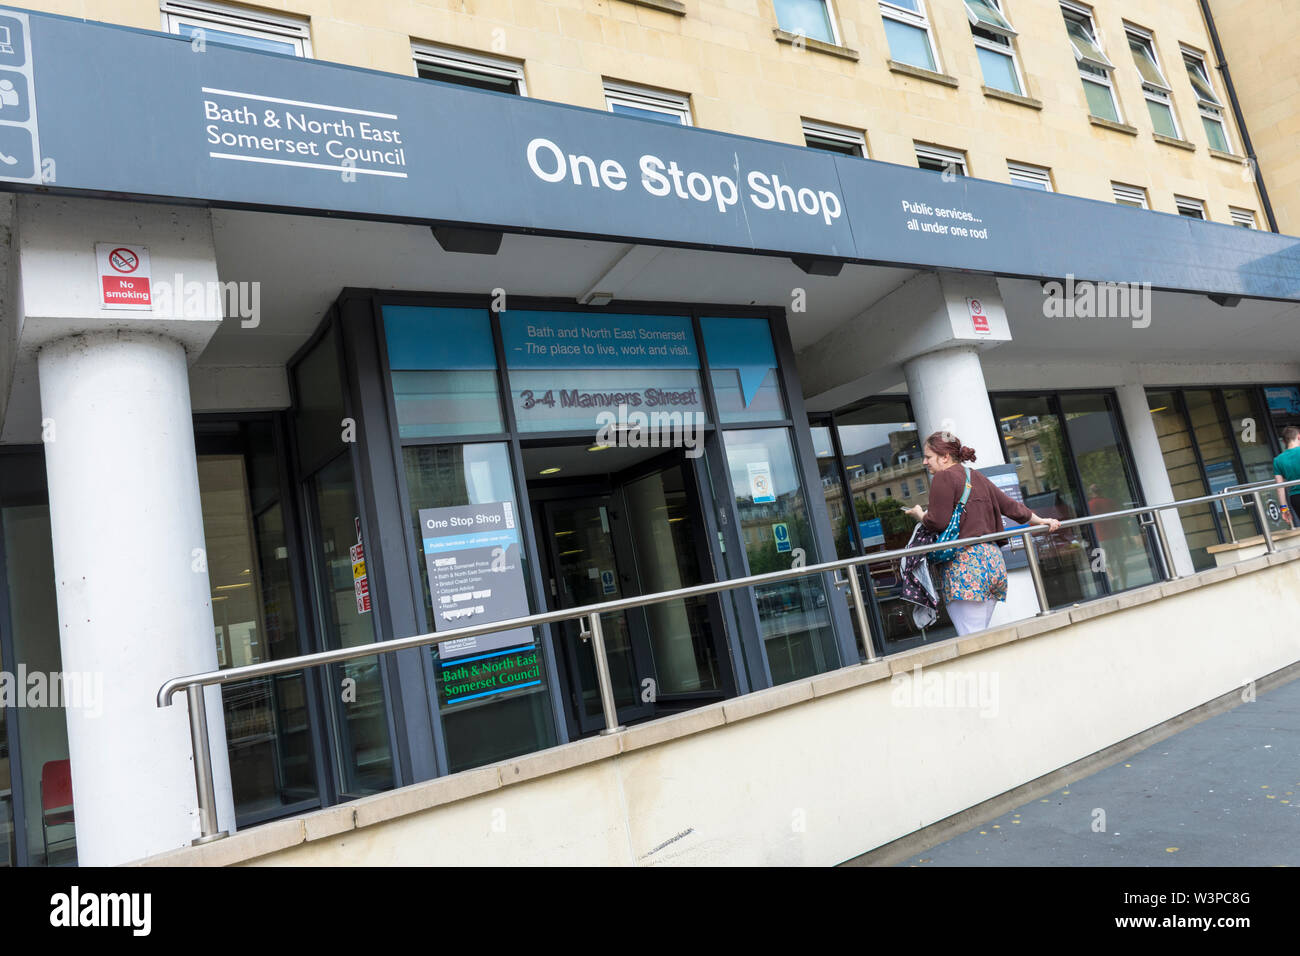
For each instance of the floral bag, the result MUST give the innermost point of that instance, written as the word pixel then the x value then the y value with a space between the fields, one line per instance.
pixel 953 531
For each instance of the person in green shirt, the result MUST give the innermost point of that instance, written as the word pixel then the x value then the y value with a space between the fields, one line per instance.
pixel 1286 467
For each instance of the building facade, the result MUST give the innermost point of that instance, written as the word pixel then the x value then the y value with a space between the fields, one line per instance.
pixel 322 321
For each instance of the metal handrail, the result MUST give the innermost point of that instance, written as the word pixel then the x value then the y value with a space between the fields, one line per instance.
pixel 591 626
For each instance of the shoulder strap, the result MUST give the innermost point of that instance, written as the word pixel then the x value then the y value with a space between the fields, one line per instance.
pixel 965 494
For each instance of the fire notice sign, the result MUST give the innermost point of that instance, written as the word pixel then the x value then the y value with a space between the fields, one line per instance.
pixel 472 553
pixel 123 276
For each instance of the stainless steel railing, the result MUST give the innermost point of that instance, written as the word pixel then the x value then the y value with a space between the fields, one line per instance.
pixel 589 616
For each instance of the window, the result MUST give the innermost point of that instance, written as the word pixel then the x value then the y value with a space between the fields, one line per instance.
pixel 908 30
pixel 834 139
pixel 889 492
pixel 1191 208
pixel 877 467
pixel 907 490
pixel 920 486
pixel 993 35
pixel 1154 87
pixel 941 160
pixel 1210 107
pixel 469 69
pixel 1033 177
pixel 1130 195
pixel 234 26
pixel 1243 217
pixel 1094 68
pixel 808 18
pixel 648 104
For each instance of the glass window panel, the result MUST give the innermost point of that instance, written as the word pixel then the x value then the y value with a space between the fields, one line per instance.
pixel 246 41
pixel 463 76
pixel 501 726
pixel 42 732
pixel 1214 439
pixel 909 44
pixel 1246 424
pixel 1146 64
pixel 443 371
pixel 1035 445
pixel 1199 526
pixel 986 12
pixel 268 733
pixel 742 368
pixel 1200 82
pixel 999 70
pixel 1100 101
pixel 794 617
pixel 1085 47
pixel 363 753
pixel 659 116
pixel 807 17
pixel 1215 135
pixel 1162 118
pixel 318 418
pixel 1109 485
pixel 581 371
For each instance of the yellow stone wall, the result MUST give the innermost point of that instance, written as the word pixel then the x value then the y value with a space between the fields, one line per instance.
pixel 1261 43
pixel 740 79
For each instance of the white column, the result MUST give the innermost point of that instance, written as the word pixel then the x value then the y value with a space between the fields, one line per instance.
pixel 1150 463
pixel 132 586
pixel 947 386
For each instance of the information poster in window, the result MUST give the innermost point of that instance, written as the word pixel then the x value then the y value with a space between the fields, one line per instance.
pixel 1007 480
pixel 472 553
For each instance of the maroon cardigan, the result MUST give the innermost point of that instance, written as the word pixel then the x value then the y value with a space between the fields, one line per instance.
pixel 984 508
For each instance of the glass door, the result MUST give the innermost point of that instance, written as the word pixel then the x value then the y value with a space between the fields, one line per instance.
pixel 590 566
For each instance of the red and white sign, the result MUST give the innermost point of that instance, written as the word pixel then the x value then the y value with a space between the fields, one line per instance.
pixel 123 276
pixel 979 319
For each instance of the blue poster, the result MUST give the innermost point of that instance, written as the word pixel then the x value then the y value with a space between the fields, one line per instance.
pixel 782 534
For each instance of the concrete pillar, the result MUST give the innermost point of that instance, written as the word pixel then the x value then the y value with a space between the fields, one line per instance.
pixel 947 387
pixel 1150 463
pixel 132 585
pixel 131 578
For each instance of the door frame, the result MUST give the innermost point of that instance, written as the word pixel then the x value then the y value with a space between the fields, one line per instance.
pixel 542 496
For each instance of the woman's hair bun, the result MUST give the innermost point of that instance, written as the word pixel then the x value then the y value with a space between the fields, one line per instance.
pixel 967 453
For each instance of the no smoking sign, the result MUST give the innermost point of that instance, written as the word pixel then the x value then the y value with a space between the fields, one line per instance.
pixel 123 276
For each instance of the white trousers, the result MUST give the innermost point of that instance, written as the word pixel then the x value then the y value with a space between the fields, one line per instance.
pixel 969 616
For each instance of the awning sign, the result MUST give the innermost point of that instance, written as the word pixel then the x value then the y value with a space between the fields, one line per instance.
pixel 123 276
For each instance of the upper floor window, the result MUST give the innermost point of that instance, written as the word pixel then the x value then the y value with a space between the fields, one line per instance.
pixel 1243 217
pixel 1094 69
pixel 647 103
pixel 808 18
pixel 941 160
pixel 1211 109
pixel 1130 195
pixel 1154 86
pixel 225 25
pixel 993 35
pixel 469 69
pixel 834 139
pixel 1191 208
pixel 1033 177
pixel 908 30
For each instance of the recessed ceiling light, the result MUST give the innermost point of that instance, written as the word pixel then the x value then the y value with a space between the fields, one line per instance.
pixel 548 471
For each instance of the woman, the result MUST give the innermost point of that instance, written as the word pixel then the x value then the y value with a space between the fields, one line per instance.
pixel 976 578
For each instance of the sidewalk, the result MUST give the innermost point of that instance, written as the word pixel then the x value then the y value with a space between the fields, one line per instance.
pixel 1225 792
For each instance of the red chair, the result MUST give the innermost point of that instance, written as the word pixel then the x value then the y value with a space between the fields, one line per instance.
pixel 56 800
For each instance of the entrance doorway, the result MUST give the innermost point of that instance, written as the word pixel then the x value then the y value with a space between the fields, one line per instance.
pixel 620 522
